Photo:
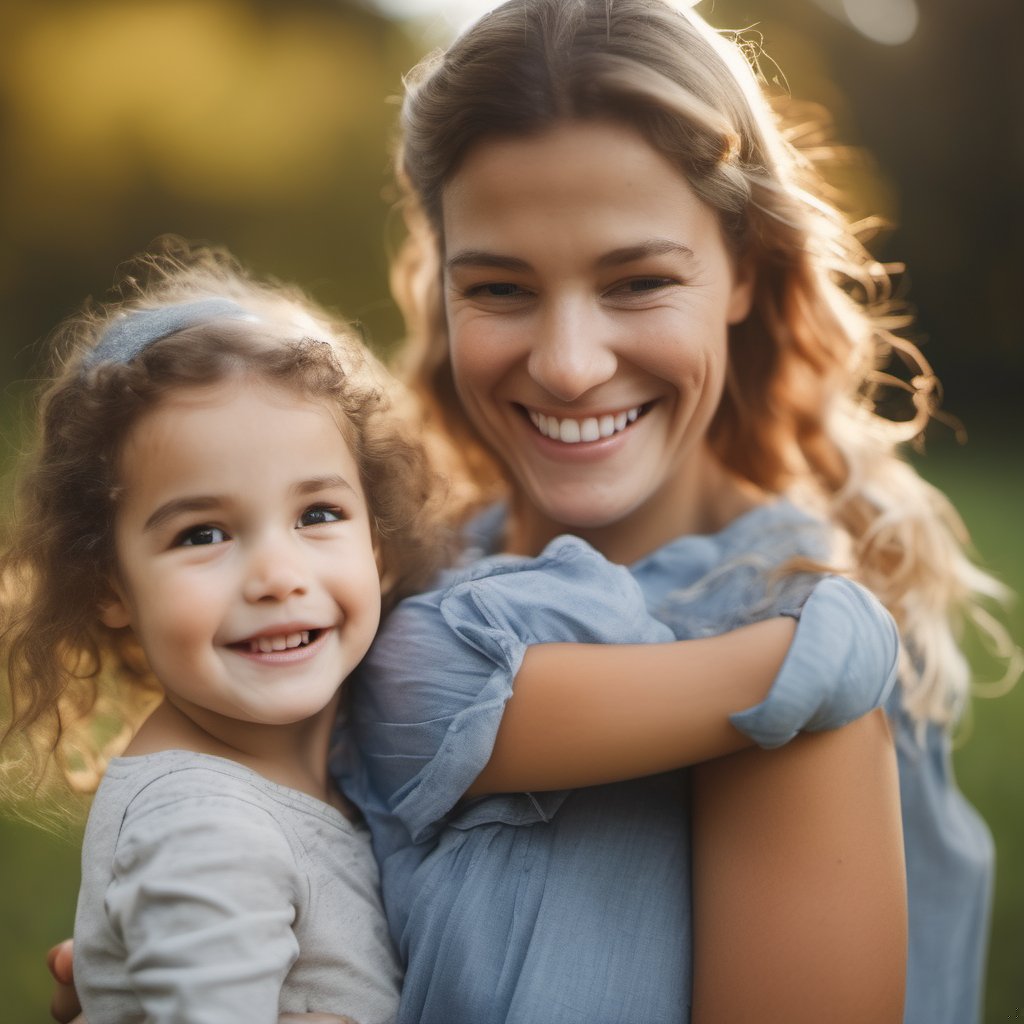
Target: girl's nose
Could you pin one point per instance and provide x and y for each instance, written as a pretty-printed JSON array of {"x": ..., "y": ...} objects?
[
  {"x": 572, "y": 351},
  {"x": 275, "y": 571}
]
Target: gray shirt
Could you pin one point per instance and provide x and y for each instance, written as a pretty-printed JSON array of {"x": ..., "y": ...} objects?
[{"x": 210, "y": 894}]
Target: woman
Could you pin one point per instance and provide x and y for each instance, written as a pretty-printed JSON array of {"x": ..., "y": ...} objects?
[{"x": 639, "y": 322}]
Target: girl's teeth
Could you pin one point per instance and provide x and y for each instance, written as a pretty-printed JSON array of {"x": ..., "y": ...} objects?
[
  {"x": 570, "y": 431},
  {"x": 268, "y": 644}
]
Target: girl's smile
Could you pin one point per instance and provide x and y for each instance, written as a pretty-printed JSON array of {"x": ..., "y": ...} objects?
[{"x": 246, "y": 564}]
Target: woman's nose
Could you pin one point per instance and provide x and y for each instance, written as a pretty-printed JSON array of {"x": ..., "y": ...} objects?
[
  {"x": 572, "y": 350},
  {"x": 274, "y": 571}
]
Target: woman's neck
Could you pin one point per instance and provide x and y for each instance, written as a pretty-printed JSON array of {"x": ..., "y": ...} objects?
[{"x": 705, "y": 503}]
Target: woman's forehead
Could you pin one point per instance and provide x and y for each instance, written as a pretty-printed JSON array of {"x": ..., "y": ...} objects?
[{"x": 599, "y": 182}]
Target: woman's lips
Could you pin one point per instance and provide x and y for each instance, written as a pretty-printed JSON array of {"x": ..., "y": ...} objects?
[{"x": 576, "y": 430}]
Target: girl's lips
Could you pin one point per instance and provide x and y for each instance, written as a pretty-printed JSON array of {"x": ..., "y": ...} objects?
[{"x": 281, "y": 647}]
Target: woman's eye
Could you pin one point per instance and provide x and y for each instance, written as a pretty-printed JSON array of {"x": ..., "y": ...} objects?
[
  {"x": 495, "y": 290},
  {"x": 320, "y": 514},
  {"x": 196, "y": 535},
  {"x": 647, "y": 284}
]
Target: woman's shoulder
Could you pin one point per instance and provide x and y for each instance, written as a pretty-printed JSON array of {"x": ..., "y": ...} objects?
[
  {"x": 566, "y": 561},
  {"x": 760, "y": 563},
  {"x": 771, "y": 532}
]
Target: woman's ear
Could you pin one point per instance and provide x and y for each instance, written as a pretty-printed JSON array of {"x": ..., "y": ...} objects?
[
  {"x": 113, "y": 610},
  {"x": 742, "y": 296}
]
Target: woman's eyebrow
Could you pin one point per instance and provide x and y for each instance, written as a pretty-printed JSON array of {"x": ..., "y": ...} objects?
[
  {"x": 616, "y": 257},
  {"x": 481, "y": 258},
  {"x": 642, "y": 250}
]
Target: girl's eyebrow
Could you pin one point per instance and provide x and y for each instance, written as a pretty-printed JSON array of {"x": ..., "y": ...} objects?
[
  {"x": 328, "y": 482},
  {"x": 180, "y": 506},
  {"x": 209, "y": 502}
]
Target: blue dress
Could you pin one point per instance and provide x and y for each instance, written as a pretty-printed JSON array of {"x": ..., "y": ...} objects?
[{"x": 574, "y": 907}]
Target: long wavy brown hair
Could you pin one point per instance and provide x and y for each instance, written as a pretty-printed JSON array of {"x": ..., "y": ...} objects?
[{"x": 808, "y": 368}]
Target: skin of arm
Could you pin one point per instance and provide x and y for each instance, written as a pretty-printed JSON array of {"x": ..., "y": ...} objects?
[
  {"x": 587, "y": 714},
  {"x": 799, "y": 886}
]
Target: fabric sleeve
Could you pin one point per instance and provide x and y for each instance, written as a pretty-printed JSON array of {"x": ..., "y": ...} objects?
[
  {"x": 435, "y": 685},
  {"x": 842, "y": 663},
  {"x": 204, "y": 894}
]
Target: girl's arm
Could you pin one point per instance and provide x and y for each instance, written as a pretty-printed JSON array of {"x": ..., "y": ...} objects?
[
  {"x": 204, "y": 892},
  {"x": 798, "y": 882},
  {"x": 586, "y": 714},
  {"x": 582, "y": 715},
  {"x": 65, "y": 1008},
  {"x": 472, "y": 689}
]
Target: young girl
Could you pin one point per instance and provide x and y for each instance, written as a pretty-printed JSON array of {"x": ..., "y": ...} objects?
[
  {"x": 221, "y": 497},
  {"x": 220, "y": 488}
]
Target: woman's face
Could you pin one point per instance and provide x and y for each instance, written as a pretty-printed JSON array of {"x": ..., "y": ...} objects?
[{"x": 588, "y": 294}]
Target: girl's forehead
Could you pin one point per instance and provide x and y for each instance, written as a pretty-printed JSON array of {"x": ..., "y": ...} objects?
[
  {"x": 241, "y": 389},
  {"x": 247, "y": 448},
  {"x": 238, "y": 417}
]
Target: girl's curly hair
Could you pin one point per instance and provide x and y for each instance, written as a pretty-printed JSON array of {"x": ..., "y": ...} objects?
[{"x": 63, "y": 666}]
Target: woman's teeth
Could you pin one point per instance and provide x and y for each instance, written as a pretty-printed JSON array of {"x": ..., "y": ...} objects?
[
  {"x": 592, "y": 428},
  {"x": 267, "y": 644}
]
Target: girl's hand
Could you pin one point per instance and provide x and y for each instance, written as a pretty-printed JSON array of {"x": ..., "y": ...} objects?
[
  {"x": 66, "y": 1009},
  {"x": 64, "y": 1004},
  {"x": 314, "y": 1018}
]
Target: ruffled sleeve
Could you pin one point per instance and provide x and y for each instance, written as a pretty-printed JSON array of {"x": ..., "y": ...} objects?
[
  {"x": 430, "y": 697},
  {"x": 842, "y": 663}
]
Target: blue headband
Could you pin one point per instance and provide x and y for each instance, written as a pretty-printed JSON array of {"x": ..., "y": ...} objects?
[{"x": 135, "y": 331}]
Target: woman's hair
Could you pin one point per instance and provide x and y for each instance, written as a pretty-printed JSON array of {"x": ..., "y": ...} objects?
[
  {"x": 806, "y": 375},
  {"x": 56, "y": 568}
]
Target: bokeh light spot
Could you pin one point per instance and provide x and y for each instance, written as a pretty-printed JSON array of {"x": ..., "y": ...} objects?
[{"x": 890, "y": 22}]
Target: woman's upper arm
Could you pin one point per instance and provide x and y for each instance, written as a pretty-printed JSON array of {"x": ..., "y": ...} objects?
[{"x": 798, "y": 882}]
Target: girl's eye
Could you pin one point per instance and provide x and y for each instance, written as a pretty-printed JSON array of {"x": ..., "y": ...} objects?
[
  {"x": 319, "y": 514},
  {"x": 196, "y": 535}
]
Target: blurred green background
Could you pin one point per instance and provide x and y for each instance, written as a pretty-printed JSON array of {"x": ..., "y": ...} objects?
[{"x": 264, "y": 126}]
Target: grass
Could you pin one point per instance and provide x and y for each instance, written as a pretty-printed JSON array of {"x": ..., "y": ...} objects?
[
  {"x": 40, "y": 871},
  {"x": 987, "y": 486}
]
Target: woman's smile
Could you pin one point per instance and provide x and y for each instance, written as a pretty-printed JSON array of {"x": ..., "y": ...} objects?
[{"x": 587, "y": 428}]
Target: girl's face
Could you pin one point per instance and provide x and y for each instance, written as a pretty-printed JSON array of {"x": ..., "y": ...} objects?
[
  {"x": 246, "y": 565},
  {"x": 588, "y": 295}
]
